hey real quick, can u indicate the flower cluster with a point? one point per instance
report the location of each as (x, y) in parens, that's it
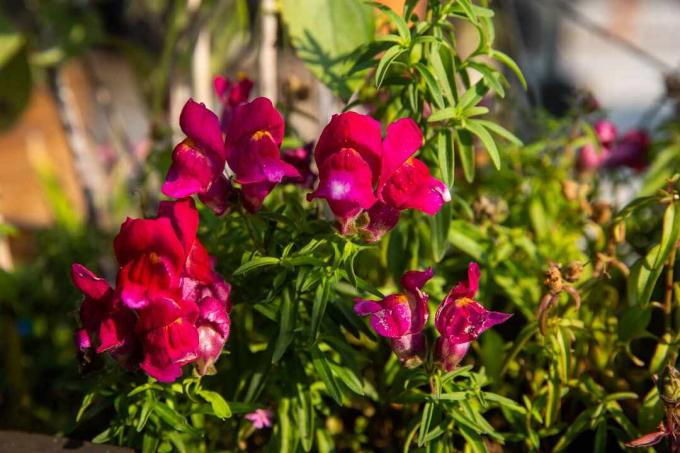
(630, 150)
(169, 307)
(459, 319)
(252, 150)
(360, 172)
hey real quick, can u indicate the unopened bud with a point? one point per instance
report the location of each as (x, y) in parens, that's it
(553, 279)
(602, 213)
(669, 384)
(572, 271)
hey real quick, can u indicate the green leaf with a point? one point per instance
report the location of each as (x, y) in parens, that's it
(446, 157)
(664, 165)
(466, 150)
(476, 128)
(633, 323)
(501, 131)
(385, 62)
(431, 83)
(472, 96)
(579, 425)
(425, 420)
(219, 406)
(669, 235)
(171, 418)
(490, 76)
(286, 327)
(256, 263)
(439, 229)
(510, 63)
(321, 366)
(321, 297)
(304, 416)
(443, 115)
(348, 377)
(642, 280)
(505, 402)
(325, 33)
(439, 71)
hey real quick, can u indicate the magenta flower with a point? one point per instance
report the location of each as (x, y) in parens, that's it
(231, 94)
(630, 151)
(460, 320)
(357, 169)
(169, 307)
(260, 418)
(198, 161)
(401, 317)
(253, 153)
(405, 182)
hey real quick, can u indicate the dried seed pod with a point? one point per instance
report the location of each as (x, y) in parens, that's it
(572, 271)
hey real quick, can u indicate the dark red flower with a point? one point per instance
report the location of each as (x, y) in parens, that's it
(231, 94)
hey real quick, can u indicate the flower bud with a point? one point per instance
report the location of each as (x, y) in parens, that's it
(572, 271)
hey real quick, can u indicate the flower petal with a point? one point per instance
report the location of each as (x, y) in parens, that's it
(382, 218)
(192, 171)
(202, 126)
(352, 130)
(220, 195)
(402, 140)
(257, 116)
(412, 187)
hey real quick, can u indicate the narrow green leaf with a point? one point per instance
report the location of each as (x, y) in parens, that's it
(466, 150)
(425, 420)
(321, 297)
(446, 157)
(256, 263)
(443, 115)
(490, 76)
(501, 131)
(510, 63)
(286, 327)
(385, 62)
(669, 235)
(321, 366)
(476, 128)
(396, 19)
(431, 83)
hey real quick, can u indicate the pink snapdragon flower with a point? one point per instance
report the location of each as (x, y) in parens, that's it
(460, 320)
(627, 151)
(169, 307)
(253, 152)
(260, 418)
(358, 168)
(231, 94)
(198, 161)
(401, 317)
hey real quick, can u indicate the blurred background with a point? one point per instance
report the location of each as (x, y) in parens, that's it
(90, 93)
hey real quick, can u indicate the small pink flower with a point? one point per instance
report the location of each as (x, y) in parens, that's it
(231, 94)
(301, 159)
(253, 152)
(401, 317)
(606, 132)
(460, 320)
(260, 418)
